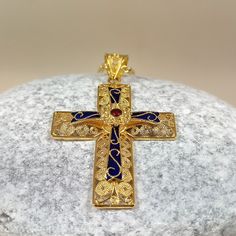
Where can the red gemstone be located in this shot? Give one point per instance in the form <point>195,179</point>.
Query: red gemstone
<point>116,112</point>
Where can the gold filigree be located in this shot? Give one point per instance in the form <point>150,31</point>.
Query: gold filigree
<point>124,189</point>
<point>101,173</point>
<point>103,188</point>
<point>142,130</point>
<point>115,66</point>
<point>156,131</point>
<point>82,130</point>
<point>66,129</point>
<point>113,157</point>
<point>126,163</point>
<point>126,175</point>
<point>117,197</point>
<point>105,106</point>
<point>114,192</point>
<point>151,116</point>
<point>60,117</point>
<point>114,200</point>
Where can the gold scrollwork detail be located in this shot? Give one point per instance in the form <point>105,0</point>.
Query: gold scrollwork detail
<point>124,189</point>
<point>101,163</point>
<point>60,117</point>
<point>161,130</point>
<point>126,175</point>
<point>114,192</point>
<point>115,65</point>
<point>82,130</point>
<point>105,104</point>
<point>66,129</point>
<point>101,174</point>
<point>117,163</point>
<point>104,188</point>
<point>126,163</point>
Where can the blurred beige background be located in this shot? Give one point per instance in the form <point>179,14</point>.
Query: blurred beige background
<point>188,41</point>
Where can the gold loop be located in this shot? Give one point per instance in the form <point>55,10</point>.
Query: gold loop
<point>115,65</point>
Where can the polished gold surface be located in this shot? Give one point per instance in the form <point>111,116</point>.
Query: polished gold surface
<point>114,193</point>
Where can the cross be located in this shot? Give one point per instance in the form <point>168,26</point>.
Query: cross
<point>114,127</point>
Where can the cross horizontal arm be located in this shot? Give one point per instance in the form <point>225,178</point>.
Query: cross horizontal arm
<point>85,125</point>
<point>148,125</point>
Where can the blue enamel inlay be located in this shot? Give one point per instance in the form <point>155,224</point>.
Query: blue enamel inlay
<point>115,94</point>
<point>114,159</point>
<point>146,115</point>
<point>79,115</point>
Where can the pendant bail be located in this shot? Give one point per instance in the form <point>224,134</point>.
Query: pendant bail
<point>115,65</point>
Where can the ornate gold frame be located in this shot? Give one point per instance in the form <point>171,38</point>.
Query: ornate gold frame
<point>114,127</point>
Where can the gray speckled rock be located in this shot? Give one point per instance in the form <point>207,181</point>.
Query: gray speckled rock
<point>184,188</point>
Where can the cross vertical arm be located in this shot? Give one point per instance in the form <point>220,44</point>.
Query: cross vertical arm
<point>113,180</point>
<point>113,169</point>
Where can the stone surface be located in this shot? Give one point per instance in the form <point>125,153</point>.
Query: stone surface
<point>185,187</point>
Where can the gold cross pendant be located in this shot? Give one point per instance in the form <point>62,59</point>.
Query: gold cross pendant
<point>114,127</point>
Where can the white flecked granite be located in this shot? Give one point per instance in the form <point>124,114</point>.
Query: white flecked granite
<point>185,187</point>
